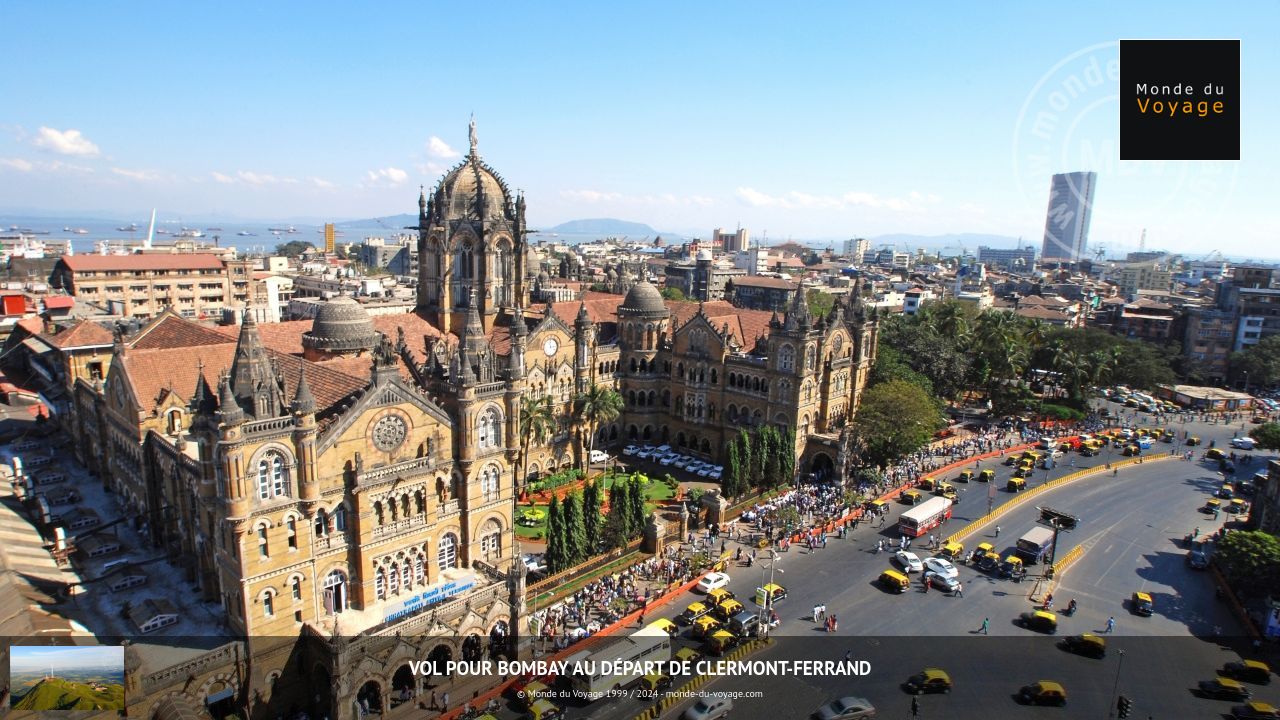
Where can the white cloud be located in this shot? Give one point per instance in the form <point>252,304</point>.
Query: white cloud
<point>136,174</point>
<point>431,169</point>
<point>16,164</point>
<point>796,200</point>
<point>224,179</point>
<point>65,142</point>
<point>322,184</point>
<point>259,179</point>
<point>438,148</point>
<point>617,198</point>
<point>390,175</point>
<point>590,196</point>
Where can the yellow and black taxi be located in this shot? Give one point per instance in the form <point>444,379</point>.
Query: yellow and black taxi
<point>1237,506</point>
<point>687,655</point>
<point>703,626</point>
<point>721,642</point>
<point>951,550</point>
<point>544,710</point>
<point>948,491</point>
<point>654,682</point>
<point>717,596</point>
<point>695,611</point>
<point>1016,483</point>
<point>911,497</point>
<point>1221,688</point>
<point>1132,450</point>
<point>989,561</point>
<point>987,475</point>
<point>1224,491</point>
<point>1041,621</point>
<point>533,692</point>
<point>770,594</point>
<point>926,484</point>
<point>1012,460</point>
<point>1255,711</point>
<point>1142,604</point>
<point>728,609</point>
<point>929,680</point>
<point>666,626</point>
<point>964,476</point>
<point>1193,441</point>
<point>1252,671</point>
<point>1044,692</point>
<point>876,507</point>
<point>1086,644</point>
<point>1214,454</point>
<point>894,581</point>
<point>1211,506</point>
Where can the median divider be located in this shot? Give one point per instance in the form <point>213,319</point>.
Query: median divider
<point>1024,497</point>
<point>681,693</point>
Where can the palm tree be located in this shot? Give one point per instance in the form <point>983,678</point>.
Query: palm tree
<point>949,319</point>
<point>537,423</point>
<point>597,405</point>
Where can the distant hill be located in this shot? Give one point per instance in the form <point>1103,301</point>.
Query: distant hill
<point>59,694</point>
<point>602,226</point>
<point>394,221</point>
<point>970,241</point>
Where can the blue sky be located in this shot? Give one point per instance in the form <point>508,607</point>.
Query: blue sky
<point>805,121</point>
<point>41,658</point>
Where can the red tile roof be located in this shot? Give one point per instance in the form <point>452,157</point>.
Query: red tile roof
<point>744,325</point>
<point>82,334</point>
<point>170,330</point>
<point>763,281</point>
<point>149,261</point>
<point>59,302</point>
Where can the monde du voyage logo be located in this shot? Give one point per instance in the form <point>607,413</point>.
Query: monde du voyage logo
<point>1179,99</point>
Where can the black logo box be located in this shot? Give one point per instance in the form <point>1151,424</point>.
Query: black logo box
<point>1154,124</point>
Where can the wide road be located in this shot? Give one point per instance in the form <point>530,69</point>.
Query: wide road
<point>1131,527</point>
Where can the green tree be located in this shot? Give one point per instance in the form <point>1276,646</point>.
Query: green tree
<point>746,457</point>
<point>596,406</point>
<point>730,479</point>
<point>1250,561</point>
<point>557,559</point>
<point>617,529</point>
<point>592,520</point>
<point>787,457</point>
<point>293,248</point>
<point>889,365</point>
<point>820,303</point>
<point>773,457</point>
<point>537,423</point>
<point>1267,435</point>
<point>894,420</point>
<point>575,529</point>
<point>673,293</point>
<point>1259,364</point>
<point>635,508</point>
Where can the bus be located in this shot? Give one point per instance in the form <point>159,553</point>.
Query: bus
<point>924,517</point>
<point>648,644</point>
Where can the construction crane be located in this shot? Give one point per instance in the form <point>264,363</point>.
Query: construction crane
<point>1100,253</point>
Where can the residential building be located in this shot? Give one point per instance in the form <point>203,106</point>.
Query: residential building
<point>856,249</point>
<point>914,298</point>
<point>1208,341</point>
<point>762,292</point>
<point>142,285</point>
<point>1066,227</point>
<point>1132,277</point>
<point>731,242</point>
<point>1010,259</point>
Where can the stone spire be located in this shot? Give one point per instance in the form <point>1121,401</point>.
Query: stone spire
<point>798,317</point>
<point>254,380</point>
<point>304,403</point>
<point>229,411</point>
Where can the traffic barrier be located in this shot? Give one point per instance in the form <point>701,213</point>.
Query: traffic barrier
<point>698,681</point>
<point>1026,496</point>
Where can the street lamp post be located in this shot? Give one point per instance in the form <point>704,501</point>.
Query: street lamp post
<point>767,605</point>
<point>1115,689</point>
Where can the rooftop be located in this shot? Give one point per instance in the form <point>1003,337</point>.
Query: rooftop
<point>170,261</point>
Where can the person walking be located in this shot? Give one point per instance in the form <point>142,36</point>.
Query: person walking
<point>1111,625</point>
<point>915,707</point>
<point>986,626</point>
<point>959,590</point>
<point>816,610</point>
<point>997,531</point>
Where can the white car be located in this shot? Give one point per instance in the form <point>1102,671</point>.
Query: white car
<point>706,471</point>
<point>941,566</point>
<point>909,561</point>
<point>695,466</point>
<point>1243,443</point>
<point>846,708</point>
<point>630,450</point>
<point>715,474</point>
<point>713,581</point>
<point>709,708</point>
<point>644,453</point>
<point>664,449</point>
<point>680,461</point>
<point>599,456</point>
<point>668,459</point>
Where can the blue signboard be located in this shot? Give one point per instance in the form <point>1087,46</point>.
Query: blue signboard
<point>432,596</point>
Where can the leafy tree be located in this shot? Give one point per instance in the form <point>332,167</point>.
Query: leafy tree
<point>890,365</point>
<point>575,529</point>
<point>940,358</point>
<point>730,480</point>
<point>293,248</point>
<point>1250,561</point>
<point>773,458</point>
<point>787,456</point>
<point>1267,436</point>
<point>557,559</point>
<point>592,521</point>
<point>820,303</point>
<point>746,456</point>
<point>537,423</point>
<point>598,405</point>
<point>617,528</point>
<point>1259,363</point>
<point>673,293</point>
<point>635,508</point>
<point>763,445</point>
<point>895,419</point>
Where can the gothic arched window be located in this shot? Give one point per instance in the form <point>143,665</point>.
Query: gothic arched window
<point>273,480</point>
<point>786,358</point>
<point>489,429</point>
<point>447,553</point>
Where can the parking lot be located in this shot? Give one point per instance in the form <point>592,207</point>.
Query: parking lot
<point>657,460</point>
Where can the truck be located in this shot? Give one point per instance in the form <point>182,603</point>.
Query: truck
<point>1035,544</point>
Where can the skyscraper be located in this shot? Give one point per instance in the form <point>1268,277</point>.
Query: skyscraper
<point>1066,226</point>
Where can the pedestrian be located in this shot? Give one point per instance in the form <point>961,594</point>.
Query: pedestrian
<point>959,589</point>
<point>848,655</point>
<point>816,609</point>
<point>1111,624</point>
<point>997,531</point>
<point>915,707</point>
<point>986,625</point>
<point>444,702</point>
<point>822,612</point>
<point>434,705</point>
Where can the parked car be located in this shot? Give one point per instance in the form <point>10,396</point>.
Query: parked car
<point>846,708</point>
<point>630,450</point>
<point>599,456</point>
<point>1197,560</point>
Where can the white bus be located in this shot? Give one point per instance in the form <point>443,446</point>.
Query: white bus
<point>924,517</point>
<point>648,644</point>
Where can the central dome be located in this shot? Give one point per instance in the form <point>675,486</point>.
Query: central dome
<point>341,326</point>
<point>460,187</point>
<point>644,297</point>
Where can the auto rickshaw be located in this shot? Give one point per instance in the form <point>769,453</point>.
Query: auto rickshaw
<point>876,507</point>
<point>1193,441</point>
<point>894,581</point>
<point>964,476</point>
<point>1023,472</point>
<point>1087,644</point>
<point>728,609</point>
<point>654,683</point>
<point>703,626</point>
<point>912,497</point>
<point>1142,604</point>
<point>1167,436</point>
<point>947,491</point>
<point>721,641</point>
<point>952,550</point>
<point>1015,485</point>
<point>770,594</point>
<point>987,475</point>
<point>926,484</point>
<point>1012,567</point>
<point>666,626</point>
<point>1214,454</point>
<point>717,596</point>
<point>1225,491</point>
<point>1132,450</point>
<point>1238,507</point>
<point>695,611</point>
<point>544,710</point>
<point>687,655</point>
<point>1212,506</point>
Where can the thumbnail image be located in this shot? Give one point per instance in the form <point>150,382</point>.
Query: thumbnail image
<point>66,678</point>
